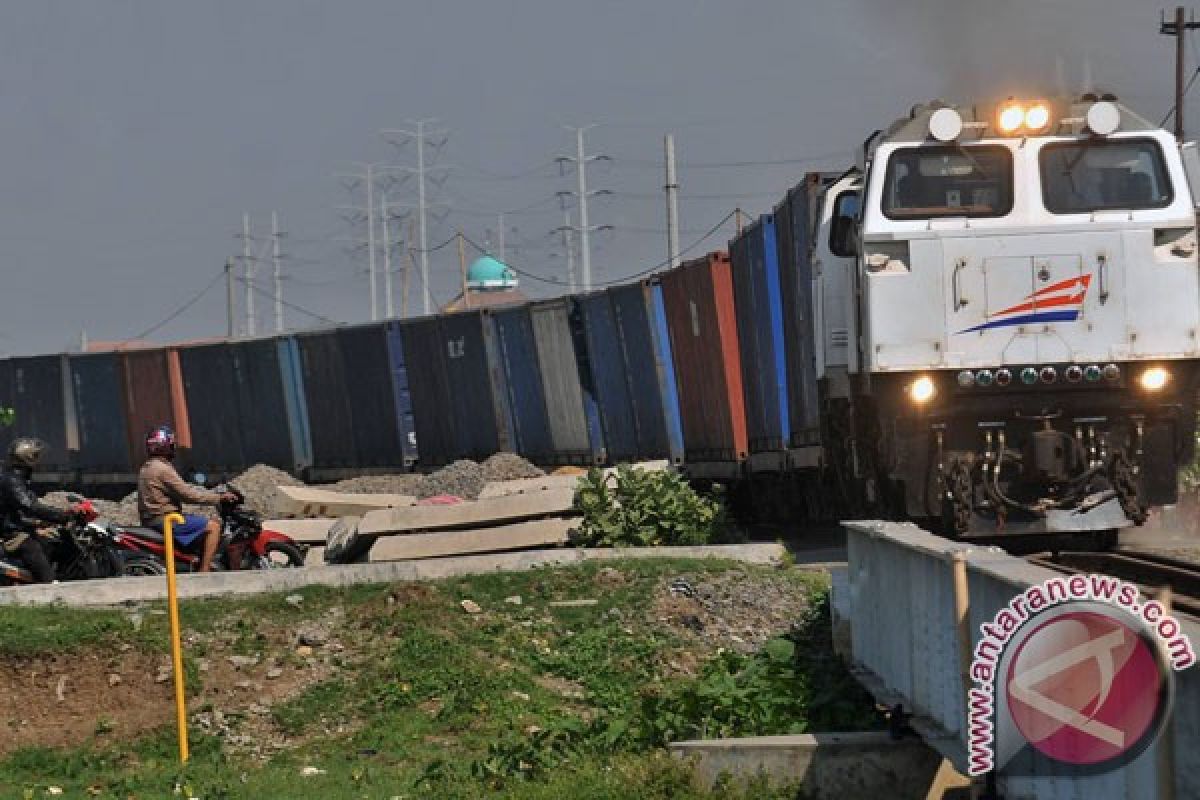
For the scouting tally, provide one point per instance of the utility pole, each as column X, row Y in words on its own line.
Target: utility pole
column 1178, row 29
column 424, row 137
column 248, row 274
column 500, row 222
column 371, row 239
column 672, row 189
column 277, row 272
column 737, row 215
column 408, row 268
column 462, row 266
column 230, row 329
column 389, row 309
column 569, row 247
column 581, row 160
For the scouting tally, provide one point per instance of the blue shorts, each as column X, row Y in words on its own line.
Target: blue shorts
column 192, row 528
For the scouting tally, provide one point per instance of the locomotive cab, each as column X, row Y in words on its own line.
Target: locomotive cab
column 1030, row 314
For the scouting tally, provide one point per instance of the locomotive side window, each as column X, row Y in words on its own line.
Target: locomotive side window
column 1126, row 174
column 841, row 230
column 924, row 182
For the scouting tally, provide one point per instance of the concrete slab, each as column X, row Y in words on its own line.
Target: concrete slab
column 308, row 531
column 304, row 501
column 533, row 533
column 468, row 515
column 822, row 765
column 120, row 591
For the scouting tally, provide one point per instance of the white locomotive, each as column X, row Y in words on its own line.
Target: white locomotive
column 1009, row 339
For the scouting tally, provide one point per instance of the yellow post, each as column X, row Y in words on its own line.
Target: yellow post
column 169, row 524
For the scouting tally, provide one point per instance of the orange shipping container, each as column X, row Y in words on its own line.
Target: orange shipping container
column 153, row 387
column 704, row 344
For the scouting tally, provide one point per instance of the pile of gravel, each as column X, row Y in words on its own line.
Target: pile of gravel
column 258, row 484
column 379, row 484
column 462, row 478
column 508, row 467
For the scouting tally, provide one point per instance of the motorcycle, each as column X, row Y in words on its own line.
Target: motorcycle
column 244, row 545
column 81, row 549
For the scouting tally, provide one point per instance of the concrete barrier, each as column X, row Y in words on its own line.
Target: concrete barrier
column 119, row 591
column 821, row 765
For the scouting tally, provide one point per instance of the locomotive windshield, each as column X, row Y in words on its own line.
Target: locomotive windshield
column 1078, row 177
column 925, row 182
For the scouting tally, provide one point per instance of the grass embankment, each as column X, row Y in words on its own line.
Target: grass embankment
column 400, row 692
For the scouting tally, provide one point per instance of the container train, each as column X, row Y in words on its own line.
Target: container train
column 989, row 323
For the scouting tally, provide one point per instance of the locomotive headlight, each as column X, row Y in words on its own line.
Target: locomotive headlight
column 1154, row 378
column 1011, row 117
column 921, row 390
column 1037, row 117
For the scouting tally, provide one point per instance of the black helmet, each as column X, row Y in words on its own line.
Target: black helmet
column 25, row 452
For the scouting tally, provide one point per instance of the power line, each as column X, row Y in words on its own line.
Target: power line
column 627, row 278
column 775, row 162
column 179, row 311
column 295, row 307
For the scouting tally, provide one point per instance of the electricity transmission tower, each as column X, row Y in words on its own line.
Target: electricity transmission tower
column 255, row 251
column 580, row 161
column 426, row 171
column 374, row 179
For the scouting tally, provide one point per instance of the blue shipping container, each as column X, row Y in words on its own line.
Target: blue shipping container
column 795, row 218
column 401, row 393
column 608, row 378
column 574, row 420
column 291, row 374
column 650, row 379
column 665, row 364
column 460, row 402
column 759, row 307
column 522, row 378
column 99, row 413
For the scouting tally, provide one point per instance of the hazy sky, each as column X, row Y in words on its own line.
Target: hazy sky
column 137, row 133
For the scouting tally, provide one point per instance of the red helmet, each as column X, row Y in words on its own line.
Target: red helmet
column 161, row 442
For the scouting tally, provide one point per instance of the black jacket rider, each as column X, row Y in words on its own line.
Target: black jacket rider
column 19, row 504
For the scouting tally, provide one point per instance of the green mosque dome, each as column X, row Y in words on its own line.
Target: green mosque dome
column 489, row 273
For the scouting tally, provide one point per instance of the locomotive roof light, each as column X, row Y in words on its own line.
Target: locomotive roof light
column 1103, row 118
column 966, row 379
column 1003, row 377
column 921, row 390
column 1112, row 372
column 1074, row 373
column 945, row 124
column 1010, row 118
column 1154, row 378
column 1037, row 117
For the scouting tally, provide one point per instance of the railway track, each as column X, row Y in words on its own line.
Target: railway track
column 1149, row 571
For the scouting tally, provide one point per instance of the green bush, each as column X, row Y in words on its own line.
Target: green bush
column 642, row 508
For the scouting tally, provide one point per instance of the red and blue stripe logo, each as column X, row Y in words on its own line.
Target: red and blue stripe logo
column 1060, row 302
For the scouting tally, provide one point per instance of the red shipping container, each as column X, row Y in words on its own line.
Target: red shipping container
column 704, row 344
column 153, row 385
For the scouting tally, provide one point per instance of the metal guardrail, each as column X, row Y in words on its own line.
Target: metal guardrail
column 897, row 602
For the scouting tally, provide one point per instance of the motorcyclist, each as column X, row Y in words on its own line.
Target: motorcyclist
column 20, row 508
column 161, row 491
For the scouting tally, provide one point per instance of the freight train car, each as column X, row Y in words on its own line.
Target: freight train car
column 992, row 322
